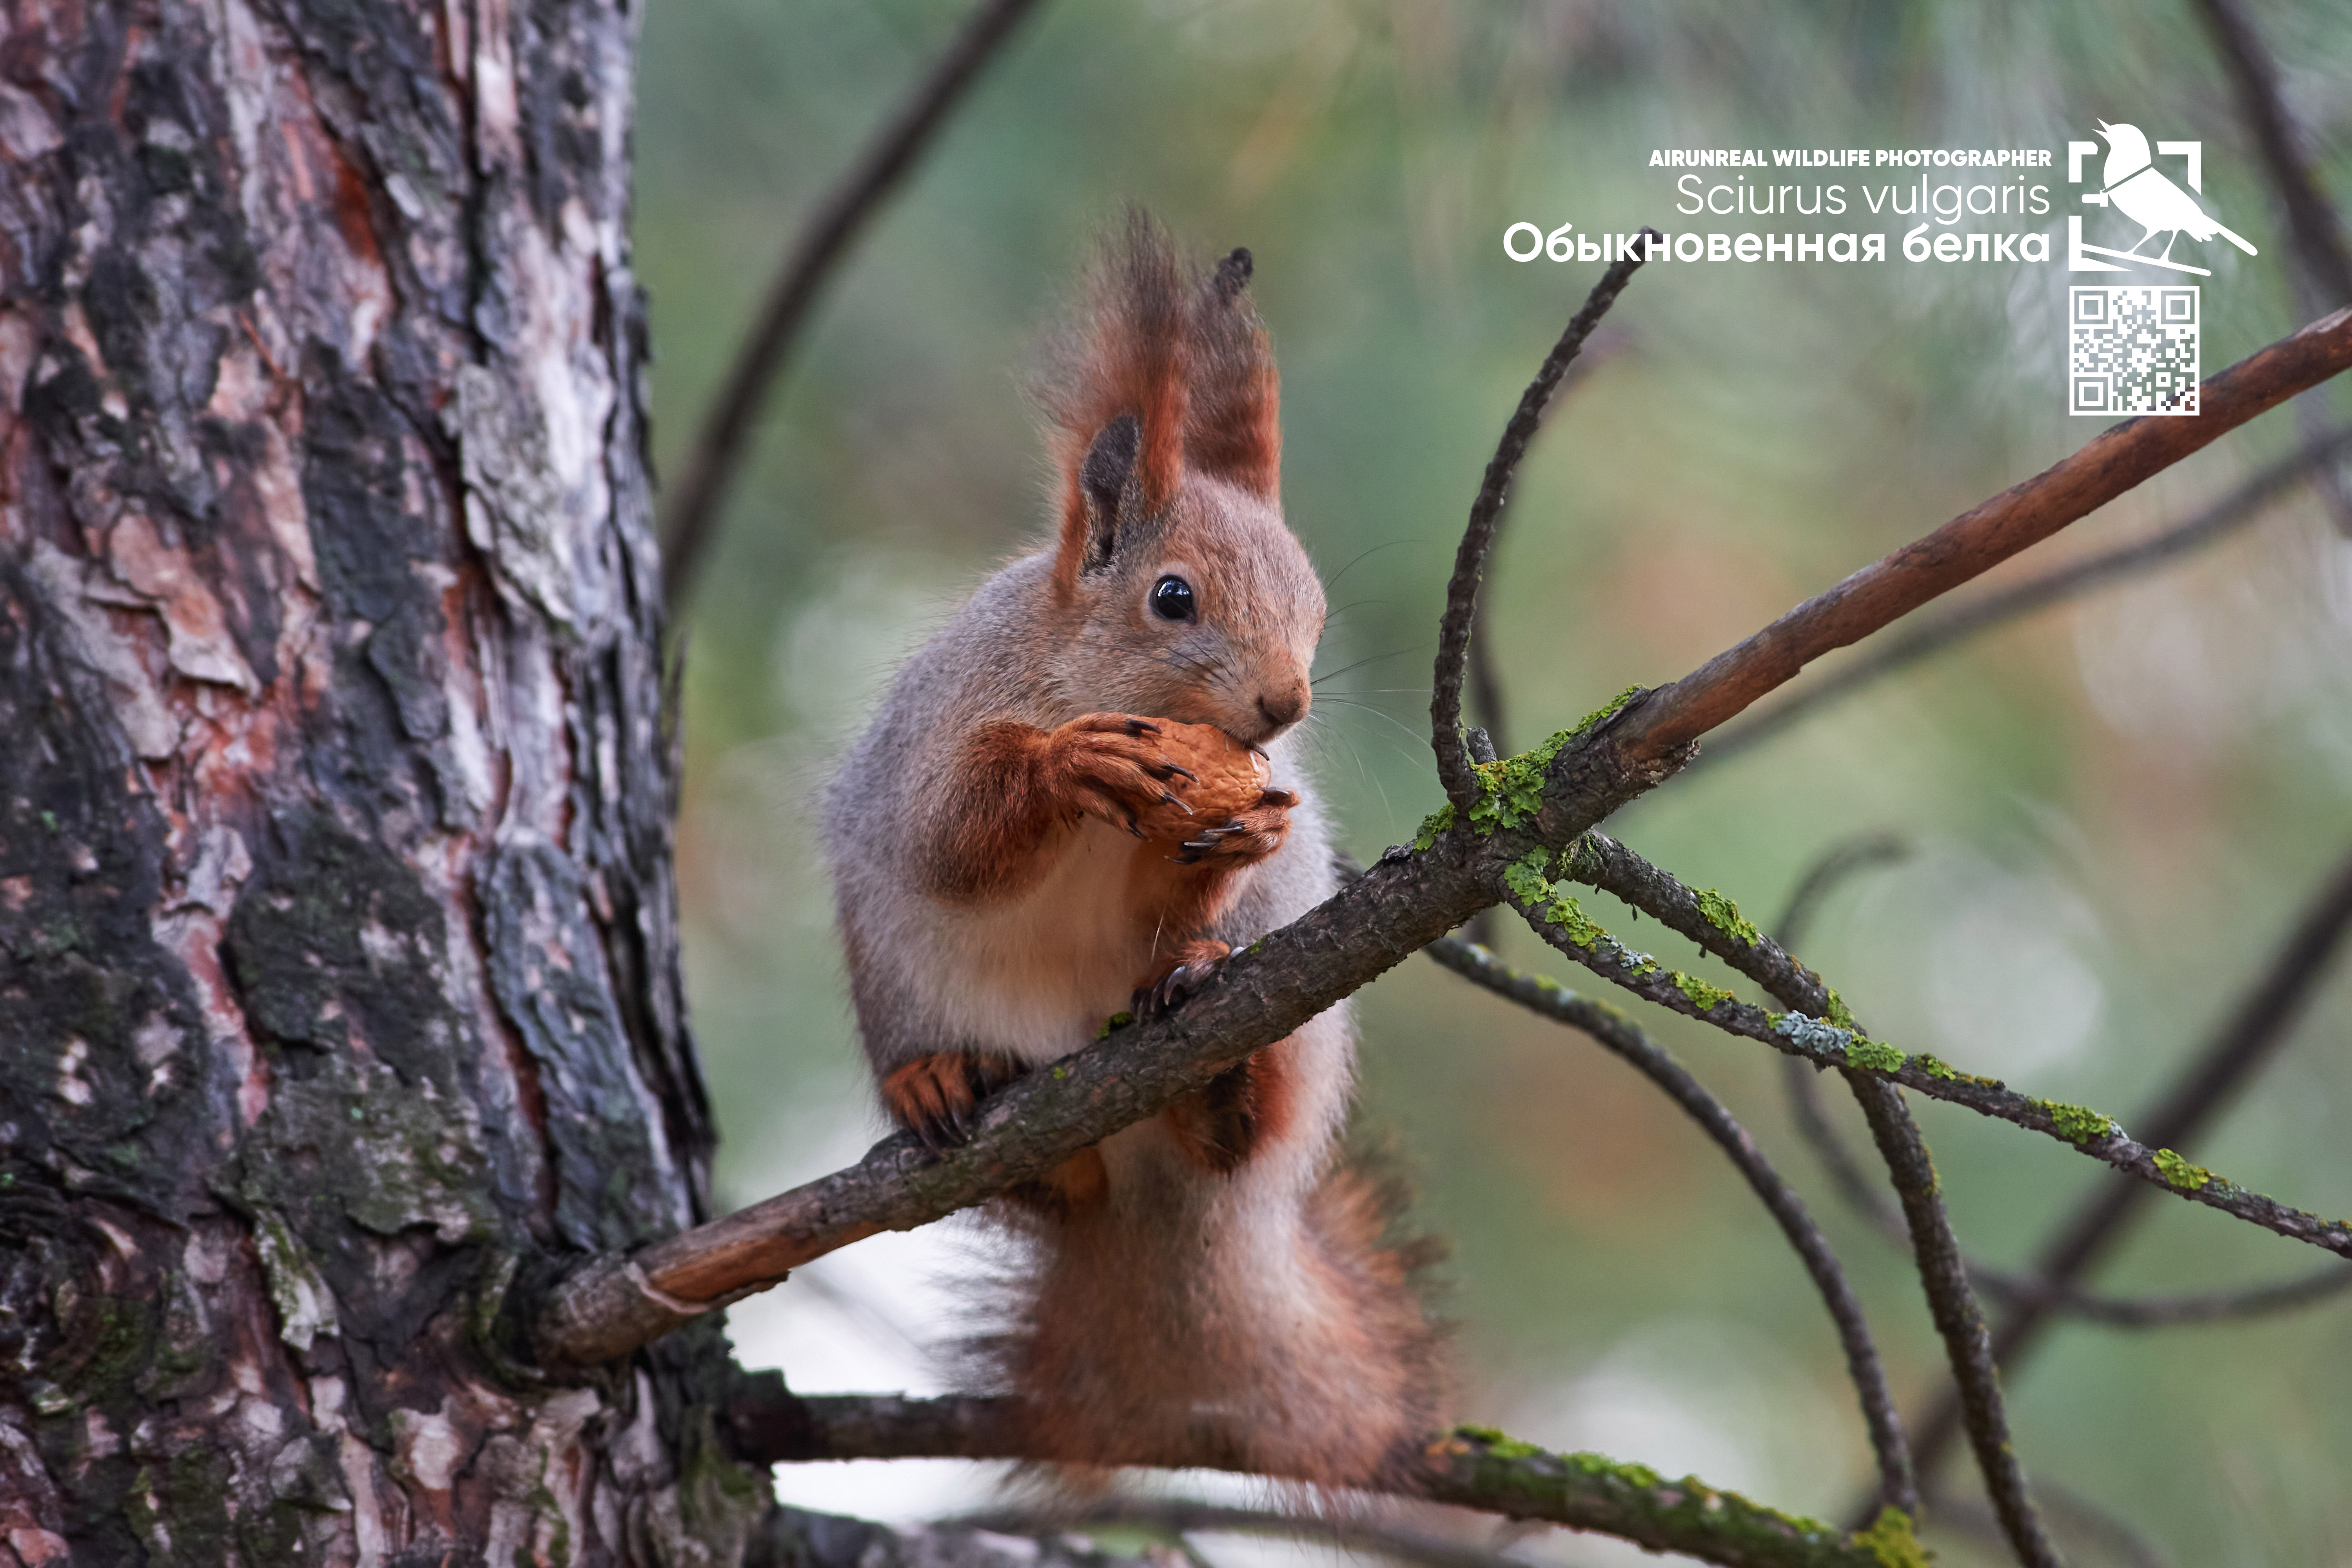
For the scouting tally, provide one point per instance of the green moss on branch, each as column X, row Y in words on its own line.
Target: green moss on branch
column 1481, row 1468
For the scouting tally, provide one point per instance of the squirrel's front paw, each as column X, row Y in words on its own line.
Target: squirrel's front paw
column 1240, row 840
column 932, row 1097
column 1113, row 766
column 1187, row 972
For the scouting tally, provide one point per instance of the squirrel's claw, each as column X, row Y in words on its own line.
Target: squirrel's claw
column 1201, row 960
column 1210, row 838
column 935, row 1097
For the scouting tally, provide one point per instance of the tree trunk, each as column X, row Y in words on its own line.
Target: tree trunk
column 338, row 938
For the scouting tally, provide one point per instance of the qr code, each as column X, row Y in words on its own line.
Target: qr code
column 2132, row 351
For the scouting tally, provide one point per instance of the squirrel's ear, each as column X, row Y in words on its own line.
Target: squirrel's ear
column 1104, row 478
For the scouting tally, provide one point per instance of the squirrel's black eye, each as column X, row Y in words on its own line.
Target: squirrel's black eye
column 1171, row 599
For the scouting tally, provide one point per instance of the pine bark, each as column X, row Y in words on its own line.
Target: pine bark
column 338, row 936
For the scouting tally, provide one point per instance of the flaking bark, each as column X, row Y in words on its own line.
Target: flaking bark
column 338, row 943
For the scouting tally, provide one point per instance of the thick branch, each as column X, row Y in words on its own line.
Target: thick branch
column 1620, row 1036
column 614, row 1302
column 1453, row 627
column 687, row 524
column 1933, row 633
column 2108, row 464
column 1470, row 1468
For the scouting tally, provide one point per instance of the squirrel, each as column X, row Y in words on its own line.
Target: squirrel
column 1013, row 863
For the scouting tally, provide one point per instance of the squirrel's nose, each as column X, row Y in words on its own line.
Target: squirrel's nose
column 1284, row 707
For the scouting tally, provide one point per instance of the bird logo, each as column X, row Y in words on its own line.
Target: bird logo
column 2133, row 185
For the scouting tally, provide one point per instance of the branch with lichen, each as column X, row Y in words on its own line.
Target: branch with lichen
column 2271, row 1005
column 2253, row 1031
column 1897, row 1485
column 1471, row 1466
column 1458, row 621
column 1832, row 1041
column 1708, row 918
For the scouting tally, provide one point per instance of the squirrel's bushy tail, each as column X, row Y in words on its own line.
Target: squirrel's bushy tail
column 1232, row 1320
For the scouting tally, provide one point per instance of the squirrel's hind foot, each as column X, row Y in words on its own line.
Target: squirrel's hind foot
column 932, row 1097
column 1190, row 970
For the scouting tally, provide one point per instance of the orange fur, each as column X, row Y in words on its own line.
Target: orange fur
column 1219, row 1127
column 1016, row 788
column 1177, row 901
column 934, row 1094
column 1130, row 1353
column 1079, row 1180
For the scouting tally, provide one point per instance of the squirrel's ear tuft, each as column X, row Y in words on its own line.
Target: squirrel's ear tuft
column 1233, row 421
column 1182, row 361
column 1125, row 358
column 1104, row 480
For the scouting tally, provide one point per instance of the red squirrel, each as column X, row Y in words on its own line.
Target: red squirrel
column 1006, row 880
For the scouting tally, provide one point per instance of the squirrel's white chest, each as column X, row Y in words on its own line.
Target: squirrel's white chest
column 1035, row 976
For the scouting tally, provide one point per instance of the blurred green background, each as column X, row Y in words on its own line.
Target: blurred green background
column 2116, row 807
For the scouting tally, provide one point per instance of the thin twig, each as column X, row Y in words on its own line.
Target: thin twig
column 1933, row 633
column 2254, row 1030
column 1807, row 1111
column 1623, row 1037
column 1454, row 766
column 1826, row 875
column 1486, row 703
column 1968, row 1346
column 1488, row 709
column 1714, row 924
column 2074, row 1515
column 1982, row 538
column 2018, row 1290
column 2324, row 269
column 2319, row 237
column 1468, row 1468
column 2087, row 1132
column 2014, row 1290
column 687, row 524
